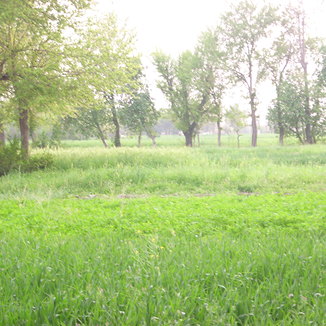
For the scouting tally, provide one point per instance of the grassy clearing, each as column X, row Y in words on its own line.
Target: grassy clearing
column 166, row 171
column 221, row 260
column 248, row 252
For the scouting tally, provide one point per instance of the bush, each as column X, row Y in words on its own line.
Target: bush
column 11, row 159
column 37, row 162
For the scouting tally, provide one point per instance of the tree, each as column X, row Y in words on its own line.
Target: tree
column 209, row 49
column 141, row 116
column 92, row 122
column 237, row 120
column 244, row 30
column 33, row 56
column 278, row 60
column 184, row 84
column 113, row 70
column 298, row 108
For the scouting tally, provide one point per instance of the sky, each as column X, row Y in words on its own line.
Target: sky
column 175, row 25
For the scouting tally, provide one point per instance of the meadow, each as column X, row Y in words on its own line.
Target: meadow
column 166, row 236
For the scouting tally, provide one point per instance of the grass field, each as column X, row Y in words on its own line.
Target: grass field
column 166, row 236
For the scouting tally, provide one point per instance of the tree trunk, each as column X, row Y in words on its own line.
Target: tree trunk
column 254, row 128
column 103, row 139
column 139, row 139
column 281, row 135
column 24, row 133
column 115, row 120
column 189, row 134
column 219, row 133
column 238, row 139
column 188, row 137
column 307, row 110
column 198, row 139
column 2, row 135
column 281, row 128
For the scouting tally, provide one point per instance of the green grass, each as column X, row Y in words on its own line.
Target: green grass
column 221, row 260
column 172, row 170
column 166, row 236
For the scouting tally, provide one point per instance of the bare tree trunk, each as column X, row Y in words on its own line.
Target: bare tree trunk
column 103, row 139
column 238, row 139
column 117, row 137
column 189, row 134
column 254, row 128
column 198, row 139
column 281, row 128
column 24, row 132
column 188, row 137
column 281, row 135
column 139, row 139
column 219, row 133
column 2, row 135
column 252, row 96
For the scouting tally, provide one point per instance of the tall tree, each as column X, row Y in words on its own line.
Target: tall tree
column 209, row 49
column 183, row 83
column 278, row 60
column 244, row 30
column 111, row 66
column 32, row 55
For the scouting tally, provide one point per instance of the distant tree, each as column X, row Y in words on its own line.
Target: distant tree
column 113, row 70
column 209, row 49
column 184, row 85
column 237, row 120
column 299, row 106
column 92, row 123
column 278, row 60
column 244, row 30
column 141, row 116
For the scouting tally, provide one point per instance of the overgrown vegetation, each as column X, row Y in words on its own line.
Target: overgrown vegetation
column 11, row 159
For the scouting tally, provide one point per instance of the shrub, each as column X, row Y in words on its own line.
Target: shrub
column 11, row 159
column 37, row 162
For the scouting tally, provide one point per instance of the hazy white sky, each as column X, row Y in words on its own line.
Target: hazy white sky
column 174, row 25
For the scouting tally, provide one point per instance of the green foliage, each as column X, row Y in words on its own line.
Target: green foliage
column 36, row 162
column 289, row 109
column 11, row 160
column 10, row 157
column 47, row 141
column 36, row 73
column 183, row 85
column 91, row 122
column 141, row 115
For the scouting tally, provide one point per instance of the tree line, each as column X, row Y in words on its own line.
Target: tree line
column 58, row 65
column 249, row 45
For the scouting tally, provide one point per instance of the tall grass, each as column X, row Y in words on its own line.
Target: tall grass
column 171, row 170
